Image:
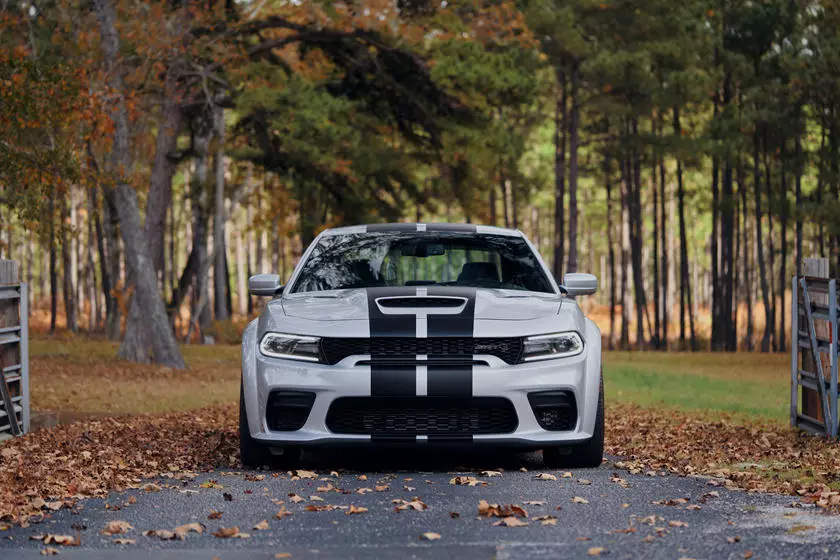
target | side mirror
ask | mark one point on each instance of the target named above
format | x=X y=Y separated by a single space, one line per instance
x=264 y=285
x=579 y=284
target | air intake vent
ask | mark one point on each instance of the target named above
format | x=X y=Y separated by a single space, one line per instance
x=421 y=301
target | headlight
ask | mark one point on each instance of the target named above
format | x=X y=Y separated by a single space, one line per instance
x=547 y=346
x=291 y=347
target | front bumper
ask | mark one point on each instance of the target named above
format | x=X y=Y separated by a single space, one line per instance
x=579 y=375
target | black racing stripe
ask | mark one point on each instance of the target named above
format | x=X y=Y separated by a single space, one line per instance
x=379 y=228
x=463 y=228
x=453 y=325
x=402 y=438
x=403 y=324
x=460 y=438
x=389 y=380
x=449 y=379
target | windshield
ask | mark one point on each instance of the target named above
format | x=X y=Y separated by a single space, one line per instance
x=367 y=260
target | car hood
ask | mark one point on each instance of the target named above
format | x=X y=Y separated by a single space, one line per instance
x=353 y=304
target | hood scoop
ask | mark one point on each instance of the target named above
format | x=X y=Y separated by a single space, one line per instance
x=408 y=302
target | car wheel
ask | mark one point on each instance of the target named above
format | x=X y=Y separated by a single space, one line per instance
x=588 y=454
x=251 y=452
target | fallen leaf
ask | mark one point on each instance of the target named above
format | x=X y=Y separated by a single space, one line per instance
x=116 y=527
x=215 y=515
x=584 y=481
x=430 y=536
x=49 y=551
x=733 y=540
x=748 y=554
x=381 y=488
x=534 y=503
x=294 y=498
x=305 y=474
x=283 y=513
x=261 y=526
x=162 y=534
x=63 y=540
x=486 y=509
x=545 y=476
x=354 y=509
x=230 y=533
x=363 y=490
x=283 y=555
x=227 y=496
x=510 y=522
x=579 y=500
x=490 y=473
x=182 y=530
x=596 y=551
x=567 y=475
x=124 y=541
x=676 y=523
x=467 y=481
x=150 y=487
x=415 y=504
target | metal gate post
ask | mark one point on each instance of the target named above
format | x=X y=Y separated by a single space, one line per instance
x=794 y=360
x=832 y=321
x=24 y=354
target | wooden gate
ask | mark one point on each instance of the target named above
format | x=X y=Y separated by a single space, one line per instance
x=813 y=394
x=14 y=352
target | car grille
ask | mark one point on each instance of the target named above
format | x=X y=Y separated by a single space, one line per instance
x=413 y=416
x=507 y=349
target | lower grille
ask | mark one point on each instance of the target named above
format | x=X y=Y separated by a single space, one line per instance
x=413 y=416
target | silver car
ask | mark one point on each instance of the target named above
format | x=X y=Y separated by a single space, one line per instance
x=422 y=334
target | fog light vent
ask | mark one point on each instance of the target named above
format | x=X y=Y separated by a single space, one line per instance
x=287 y=411
x=555 y=410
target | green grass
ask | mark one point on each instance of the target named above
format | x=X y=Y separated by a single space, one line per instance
x=748 y=386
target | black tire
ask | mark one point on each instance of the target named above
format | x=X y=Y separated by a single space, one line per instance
x=251 y=452
x=588 y=454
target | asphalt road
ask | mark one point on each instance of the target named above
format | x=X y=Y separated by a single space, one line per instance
x=621 y=517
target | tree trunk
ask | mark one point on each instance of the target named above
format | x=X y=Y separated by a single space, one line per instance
x=560 y=176
x=663 y=228
x=198 y=192
x=610 y=251
x=221 y=281
x=574 y=118
x=762 y=270
x=112 y=308
x=624 y=341
x=164 y=347
x=783 y=215
x=798 y=206
x=655 y=232
x=137 y=340
x=745 y=251
x=53 y=271
x=685 y=281
x=637 y=236
x=771 y=251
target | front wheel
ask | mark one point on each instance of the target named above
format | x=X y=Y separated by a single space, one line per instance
x=588 y=454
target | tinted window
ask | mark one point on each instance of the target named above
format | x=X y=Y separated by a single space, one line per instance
x=418 y=259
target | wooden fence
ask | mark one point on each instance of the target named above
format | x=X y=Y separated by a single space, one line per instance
x=14 y=352
x=814 y=358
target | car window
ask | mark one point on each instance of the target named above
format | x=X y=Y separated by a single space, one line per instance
x=365 y=260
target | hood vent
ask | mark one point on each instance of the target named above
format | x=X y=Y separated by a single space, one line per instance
x=403 y=302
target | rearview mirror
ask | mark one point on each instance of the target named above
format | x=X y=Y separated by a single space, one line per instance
x=579 y=284
x=265 y=285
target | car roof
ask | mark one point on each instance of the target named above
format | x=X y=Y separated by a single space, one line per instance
x=423 y=227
